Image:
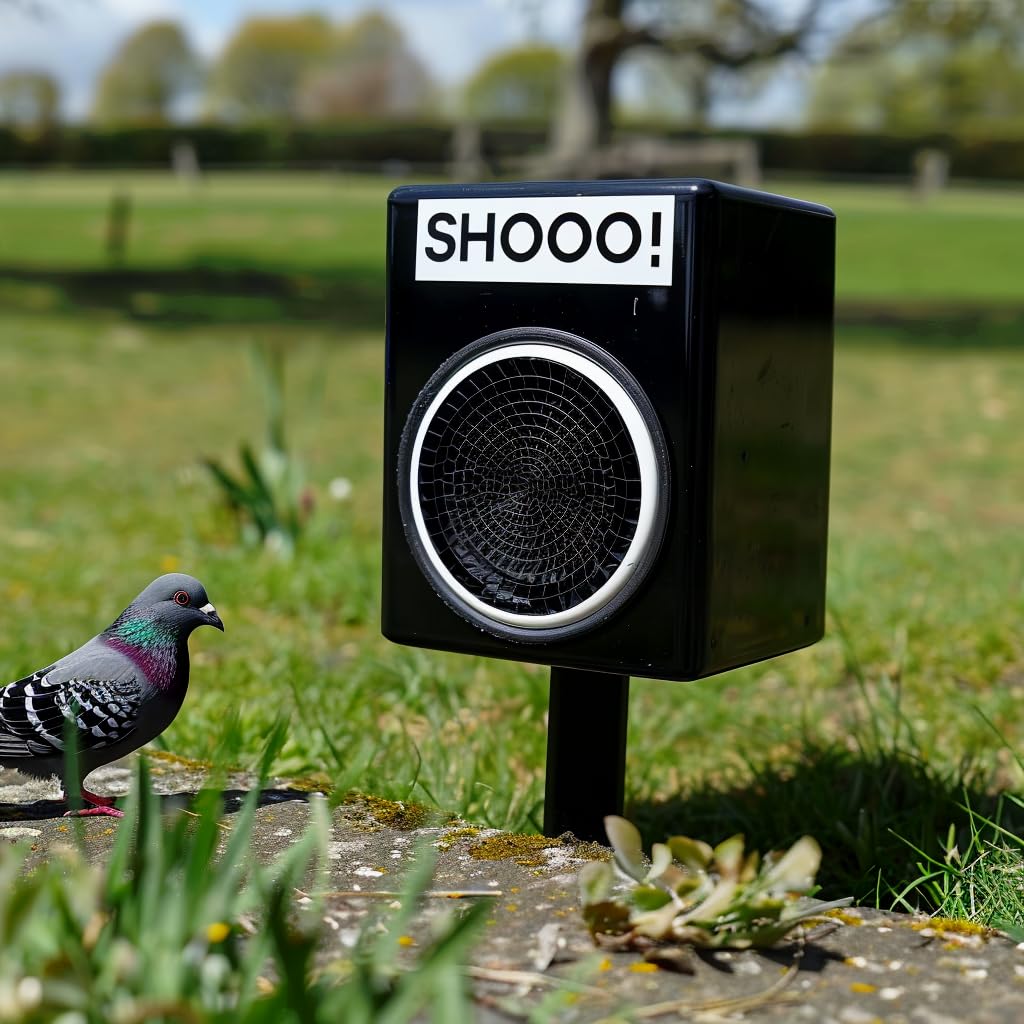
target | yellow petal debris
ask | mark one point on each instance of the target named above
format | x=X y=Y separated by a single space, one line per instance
x=406 y=940
x=605 y=965
x=643 y=967
x=217 y=932
x=863 y=987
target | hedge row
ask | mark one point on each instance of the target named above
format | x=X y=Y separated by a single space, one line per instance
x=430 y=145
x=417 y=143
x=819 y=154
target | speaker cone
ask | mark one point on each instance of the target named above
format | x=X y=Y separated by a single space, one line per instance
x=533 y=480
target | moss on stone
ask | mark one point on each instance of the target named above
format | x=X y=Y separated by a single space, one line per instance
x=317 y=782
x=591 y=851
x=524 y=850
x=953 y=926
x=400 y=815
x=452 y=836
x=177 y=760
x=838 y=914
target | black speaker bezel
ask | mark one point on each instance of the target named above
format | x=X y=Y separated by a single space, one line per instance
x=589 y=350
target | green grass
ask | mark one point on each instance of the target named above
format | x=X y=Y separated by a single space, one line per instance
x=976 y=875
x=282 y=222
x=105 y=424
x=964 y=248
x=872 y=740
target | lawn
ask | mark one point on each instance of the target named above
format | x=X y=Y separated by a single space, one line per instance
x=962 y=248
x=883 y=725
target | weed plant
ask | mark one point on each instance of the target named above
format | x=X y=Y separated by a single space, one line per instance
x=692 y=894
x=268 y=497
x=183 y=924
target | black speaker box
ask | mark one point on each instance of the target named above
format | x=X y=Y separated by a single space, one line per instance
x=607 y=424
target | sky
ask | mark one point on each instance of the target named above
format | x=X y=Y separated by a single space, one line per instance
x=77 y=37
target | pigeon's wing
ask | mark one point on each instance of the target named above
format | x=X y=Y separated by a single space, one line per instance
x=17 y=738
x=34 y=712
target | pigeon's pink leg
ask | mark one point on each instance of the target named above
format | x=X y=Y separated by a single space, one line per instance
x=102 y=805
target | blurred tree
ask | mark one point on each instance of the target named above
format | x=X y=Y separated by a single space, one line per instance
x=257 y=76
x=367 y=70
x=29 y=99
x=150 y=71
x=676 y=90
x=520 y=83
x=731 y=35
x=925 y=66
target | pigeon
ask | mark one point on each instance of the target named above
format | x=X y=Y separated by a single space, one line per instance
x=116 y=692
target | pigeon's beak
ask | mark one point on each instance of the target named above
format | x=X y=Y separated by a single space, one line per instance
x=212 y=617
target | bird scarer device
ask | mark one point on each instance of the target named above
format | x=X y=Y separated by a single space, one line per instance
x=607 y=432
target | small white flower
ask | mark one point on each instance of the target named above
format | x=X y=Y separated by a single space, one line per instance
x=340 y=488
x=30 y=993
x=278 y=543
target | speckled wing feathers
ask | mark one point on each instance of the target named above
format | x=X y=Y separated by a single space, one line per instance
x=34 y=710
x=15 y=742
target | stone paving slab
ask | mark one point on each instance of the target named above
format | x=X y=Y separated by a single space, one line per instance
x=862 y=966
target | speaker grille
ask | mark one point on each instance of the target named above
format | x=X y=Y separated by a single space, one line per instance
x=529 y=485
x=533 y=483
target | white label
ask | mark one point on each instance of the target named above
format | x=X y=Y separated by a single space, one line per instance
x=554 y=239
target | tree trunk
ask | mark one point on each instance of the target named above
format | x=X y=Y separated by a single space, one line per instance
x=701 y=94
x=584 y=120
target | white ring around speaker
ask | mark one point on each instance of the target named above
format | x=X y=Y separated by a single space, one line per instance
x=650 y=483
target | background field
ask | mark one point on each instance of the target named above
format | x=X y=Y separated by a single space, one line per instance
x=962 y=247
x=118 y=374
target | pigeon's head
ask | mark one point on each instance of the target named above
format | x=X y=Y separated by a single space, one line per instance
x=178 y=601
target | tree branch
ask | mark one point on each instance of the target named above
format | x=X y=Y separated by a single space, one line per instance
x=610 y=38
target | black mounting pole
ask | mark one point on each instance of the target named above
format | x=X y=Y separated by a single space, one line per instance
x=586 y=768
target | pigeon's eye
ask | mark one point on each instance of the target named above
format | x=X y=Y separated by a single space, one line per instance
x=181 y=598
